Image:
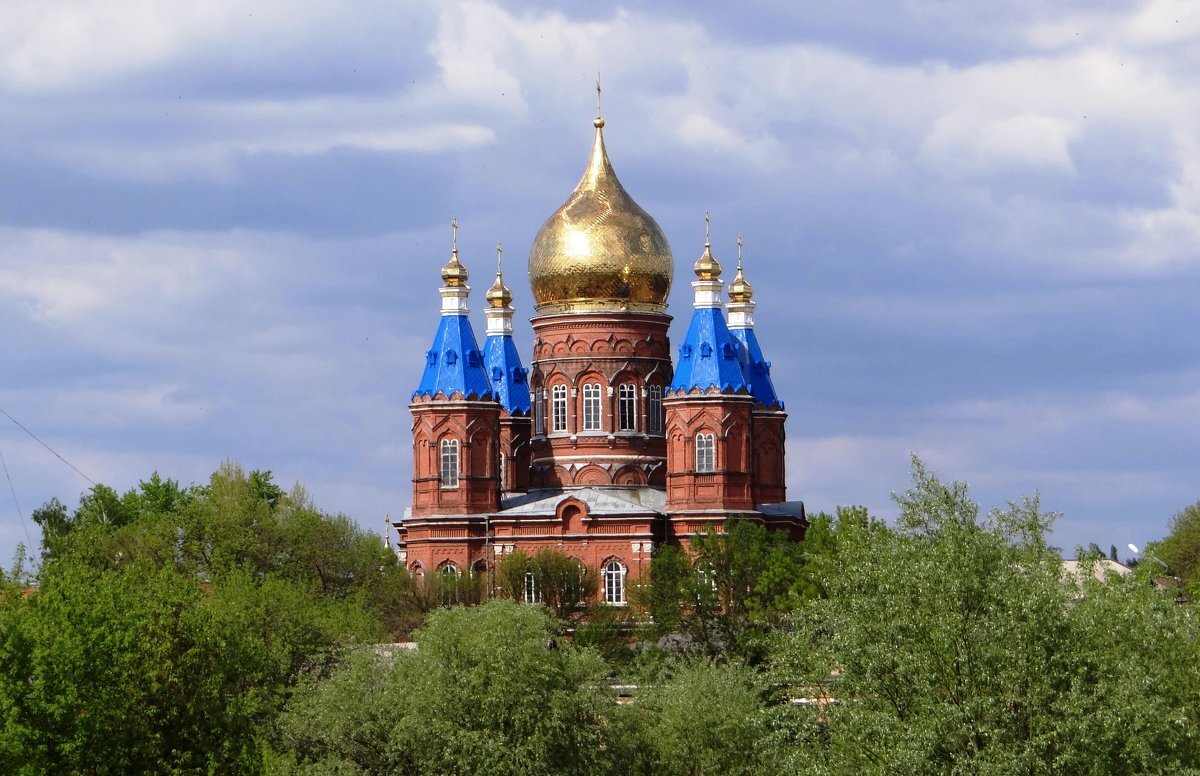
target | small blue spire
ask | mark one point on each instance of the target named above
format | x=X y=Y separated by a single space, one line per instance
x=454 y=362
x=708 y=356
x=505 y=373
x=756 y=368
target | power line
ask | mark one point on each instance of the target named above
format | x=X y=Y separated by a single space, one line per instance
x=16 y=503
x=48 y=447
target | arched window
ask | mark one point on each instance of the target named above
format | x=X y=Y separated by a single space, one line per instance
x=654 y=409
x=627 y=407
x=591 y=407
x=449 y=463
x=706 y=454
x=449 y=570
x=558 y=408
x=532 y=594
x=614 y=583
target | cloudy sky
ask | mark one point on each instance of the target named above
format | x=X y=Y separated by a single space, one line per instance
x=974 y=232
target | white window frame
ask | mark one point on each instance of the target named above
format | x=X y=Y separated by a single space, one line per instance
x=558 y=408
x=627 y=407
x=706 y=453
x=591 y=407
x=449 y=449
x=539 y=413
x=531 y=595
x=614 y=583
x=654 y=409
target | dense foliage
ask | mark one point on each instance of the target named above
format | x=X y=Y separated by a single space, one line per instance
x=234 y=628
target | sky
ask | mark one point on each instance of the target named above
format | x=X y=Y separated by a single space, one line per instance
x=973 y=230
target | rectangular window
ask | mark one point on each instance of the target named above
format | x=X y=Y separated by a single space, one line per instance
x=591 y=407
x=654 y=409
x=532 y=594
x=558 y=408
x=627 y=407
x=539 y=413
x=705 y=454
x=449 y=463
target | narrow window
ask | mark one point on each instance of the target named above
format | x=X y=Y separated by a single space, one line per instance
x=654 y=409
x=705 y=454
x=558 y=408
x=627 y=407
x=449 y=463
x=591 y=407
x=539 y=413
x=614 y=583
x=532 y=594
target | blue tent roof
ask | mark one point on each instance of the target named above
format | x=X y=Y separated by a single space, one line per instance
x=709 y=355
x=454 y=363
x=505 y=373
x=756 y=369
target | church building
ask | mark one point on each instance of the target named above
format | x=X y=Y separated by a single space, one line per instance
x=604 y=448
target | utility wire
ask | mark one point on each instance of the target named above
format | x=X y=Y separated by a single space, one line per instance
x=48 y=447
x=16 y=503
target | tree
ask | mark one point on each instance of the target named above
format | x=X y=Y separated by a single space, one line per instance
x=954 y=645
x=738 y=585
x=1181 y=548
x=697 y=718
x=491 y=689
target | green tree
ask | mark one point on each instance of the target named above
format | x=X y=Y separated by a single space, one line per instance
x=697 y=718
x=1180 y=549
x=737 y=585
x=492 y=689
x=955 y=645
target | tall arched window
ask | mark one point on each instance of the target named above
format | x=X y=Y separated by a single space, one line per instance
x=449 y=463
x=591 y=407
x=614 y=583
x=706 y=454
x=532 y=594
x=654 y=409
x=627 y=407
x=558 y=408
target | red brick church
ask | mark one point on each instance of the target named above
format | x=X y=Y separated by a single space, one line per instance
x=604 y=448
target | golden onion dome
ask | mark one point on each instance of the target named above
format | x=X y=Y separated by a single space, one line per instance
x=600 y=250
x=454 y=274
x=498 y=295
x=740 y=289
x=707 y=267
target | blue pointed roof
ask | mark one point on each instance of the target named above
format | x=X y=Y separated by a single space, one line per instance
x=454 y=363
x=709 y=355
x=502 y=364
x=756 y=368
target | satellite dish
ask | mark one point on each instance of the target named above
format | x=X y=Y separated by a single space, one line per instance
x=1133 y=548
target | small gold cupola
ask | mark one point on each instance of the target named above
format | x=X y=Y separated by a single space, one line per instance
x=454 y=274
x=707 y=267
x=498 y=296
x=740 y=289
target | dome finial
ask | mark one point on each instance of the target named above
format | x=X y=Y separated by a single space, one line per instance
x=454 y=274
x=499 y=295
x=598 y=122
x=707 y=267
x=739 y=289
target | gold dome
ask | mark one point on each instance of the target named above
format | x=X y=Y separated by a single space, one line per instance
x=740 y=289
x=454 y=274
x=600 y=250
x=707 y=267
x=498 y=295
